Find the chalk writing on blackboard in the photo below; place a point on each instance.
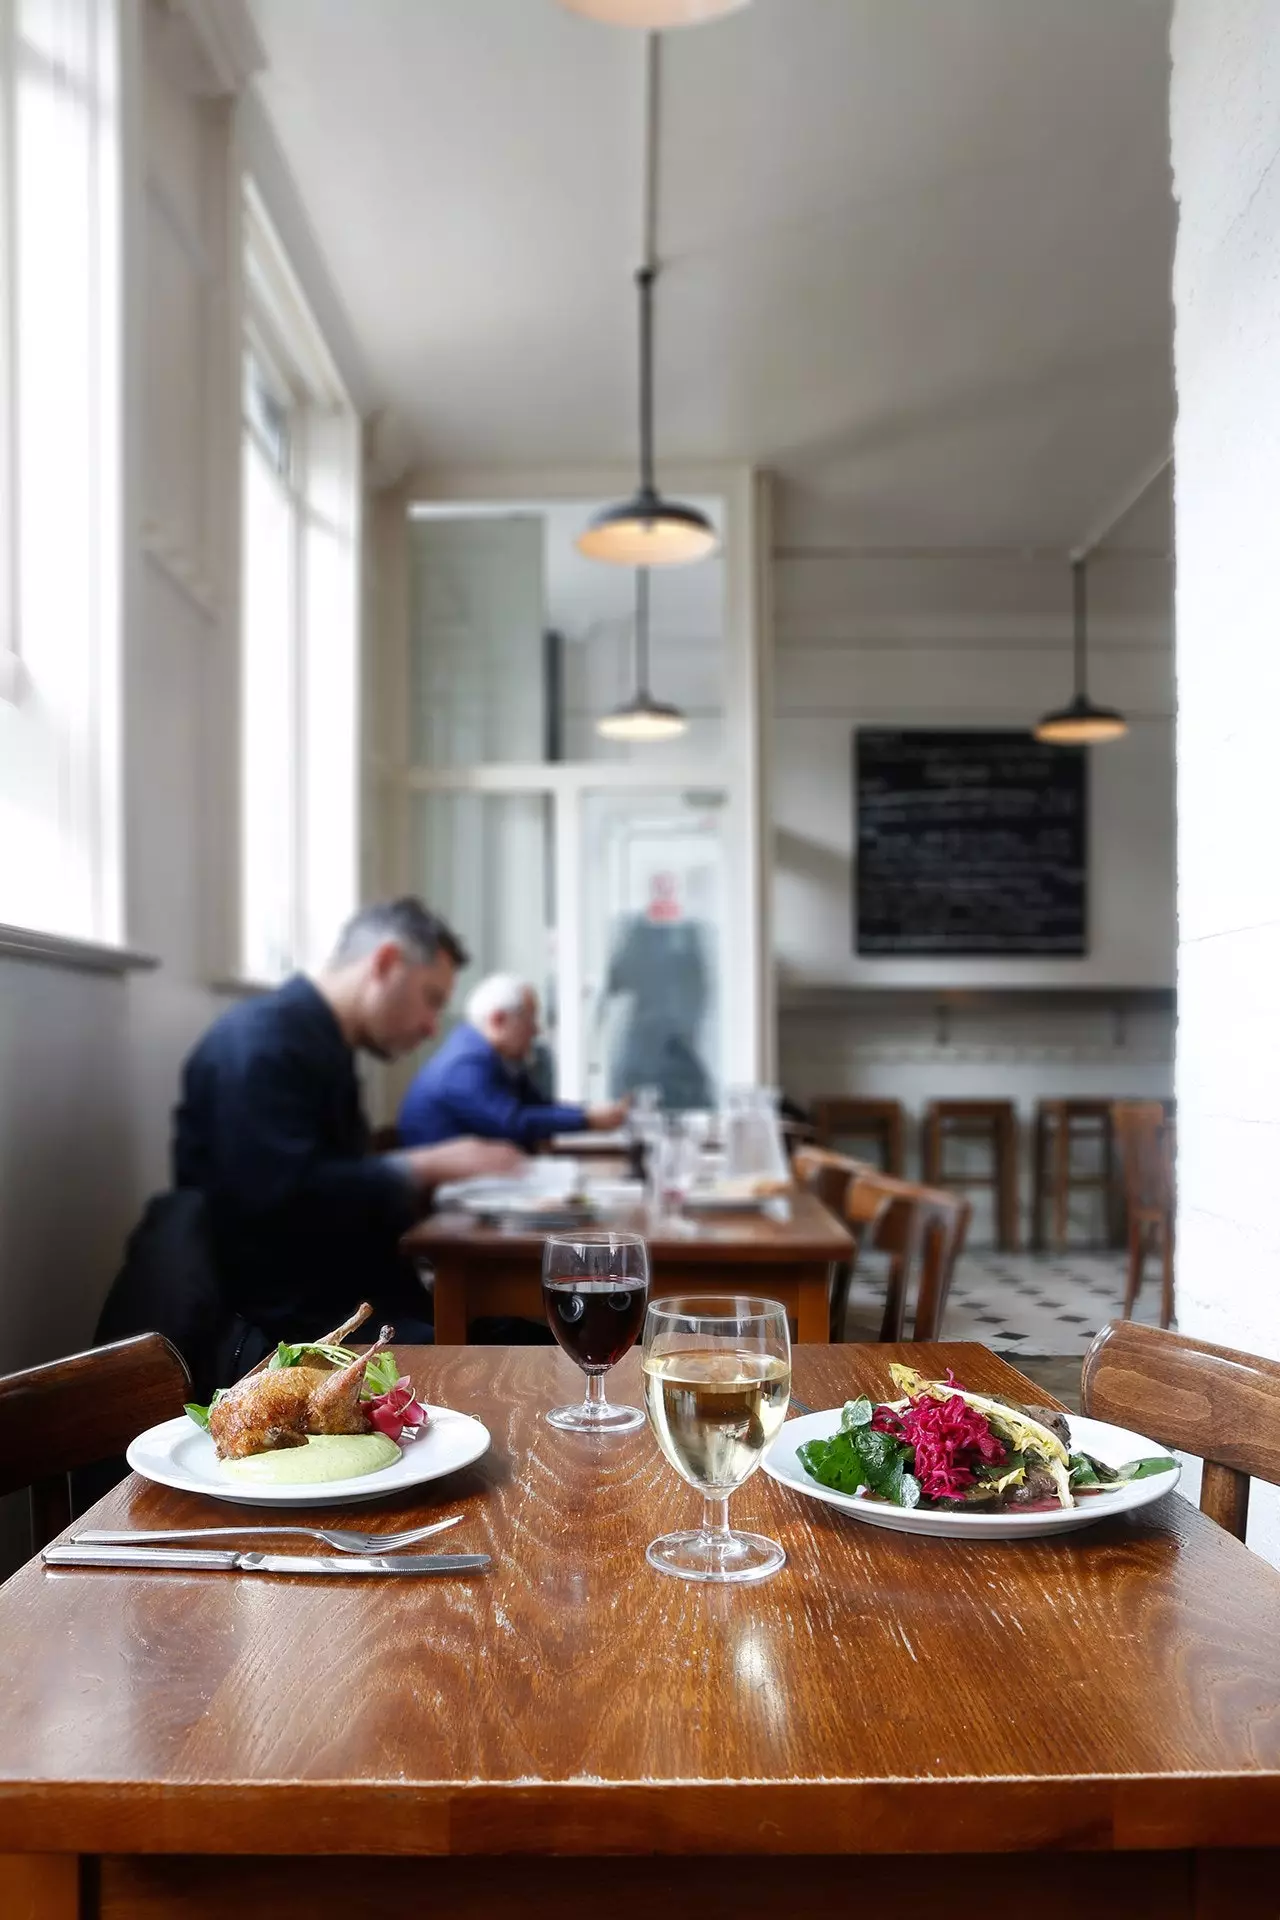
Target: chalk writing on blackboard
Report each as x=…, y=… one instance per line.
x=969, y=843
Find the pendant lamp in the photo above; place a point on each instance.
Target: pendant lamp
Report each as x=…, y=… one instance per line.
x=647, y=530
x=642, y=718
x=1082, y=723
x=653, y=15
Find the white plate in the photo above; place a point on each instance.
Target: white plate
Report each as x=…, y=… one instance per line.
x=717, y=1200
x=178, y=1454
x=1114, y=1446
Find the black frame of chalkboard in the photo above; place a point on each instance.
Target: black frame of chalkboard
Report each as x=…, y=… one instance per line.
x=1077, y=757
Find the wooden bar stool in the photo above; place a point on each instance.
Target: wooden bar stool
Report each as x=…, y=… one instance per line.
x=1062, y=1126
x=879, y=1123
x=993, y=1122
x=1145, y=1130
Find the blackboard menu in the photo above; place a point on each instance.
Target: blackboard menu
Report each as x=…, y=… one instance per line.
x=969, y=843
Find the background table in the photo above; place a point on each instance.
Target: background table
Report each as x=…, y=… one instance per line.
x=1090, y=1724
x=496, y=1270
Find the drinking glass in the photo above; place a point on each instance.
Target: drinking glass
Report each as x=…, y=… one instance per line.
x=717, y=1379
x=594, y=1288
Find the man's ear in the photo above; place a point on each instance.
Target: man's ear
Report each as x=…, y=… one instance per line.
x=385, y=959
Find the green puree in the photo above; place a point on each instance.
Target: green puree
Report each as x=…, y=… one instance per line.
x=326, y=1456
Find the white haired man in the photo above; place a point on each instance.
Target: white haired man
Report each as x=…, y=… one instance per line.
x=478, y=1084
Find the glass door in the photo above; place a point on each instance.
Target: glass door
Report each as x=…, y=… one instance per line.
x=652, y=941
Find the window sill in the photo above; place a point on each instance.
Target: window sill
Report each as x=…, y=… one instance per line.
x=84, y=956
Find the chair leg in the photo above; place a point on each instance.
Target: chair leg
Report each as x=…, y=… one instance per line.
x=1166, y=1273
x=1137, y=1259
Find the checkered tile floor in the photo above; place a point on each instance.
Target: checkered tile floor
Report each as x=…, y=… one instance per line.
x=1051, y=1303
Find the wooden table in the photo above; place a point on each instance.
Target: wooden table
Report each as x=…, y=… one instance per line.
x=1091, y=1724
x=496, y=1270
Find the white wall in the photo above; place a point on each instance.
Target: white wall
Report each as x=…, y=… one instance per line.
x=1226, y=141
x=966, y=641
x=969, y=640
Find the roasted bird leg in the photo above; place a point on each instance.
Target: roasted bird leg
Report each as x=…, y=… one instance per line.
x=334, y=1402
x=334, y=1339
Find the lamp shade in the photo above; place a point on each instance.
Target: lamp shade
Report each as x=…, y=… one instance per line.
x=1082, y=724
x=648, y=531
x=653, y=15
x=643, y=719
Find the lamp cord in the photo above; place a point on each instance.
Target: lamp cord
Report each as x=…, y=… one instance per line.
x=647, y=272
x=1079, y=599
x=641, y=648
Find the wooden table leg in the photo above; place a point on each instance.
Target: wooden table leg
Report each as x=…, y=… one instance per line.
x=451, y=1300
x=1039, y=1169
x=813, y=1311
x=40, y=1886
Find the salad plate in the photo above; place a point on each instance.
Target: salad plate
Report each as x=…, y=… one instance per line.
x=178, y=1454
x=1116, y=1447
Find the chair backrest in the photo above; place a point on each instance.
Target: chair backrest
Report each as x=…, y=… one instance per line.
x=75, y=1412
x=1213, y=1401
x=827, y=1175
x=1145, y=1133
x=923, y=1230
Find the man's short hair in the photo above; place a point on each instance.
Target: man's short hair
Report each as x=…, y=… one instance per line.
x=420, y=934
x=497, y=993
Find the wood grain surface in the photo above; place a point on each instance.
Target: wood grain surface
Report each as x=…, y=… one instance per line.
x=498, y=1270
x=1113, y=1688
x=1217, y=1402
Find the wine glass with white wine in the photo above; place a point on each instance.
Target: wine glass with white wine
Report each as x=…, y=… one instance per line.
x=717, y=1379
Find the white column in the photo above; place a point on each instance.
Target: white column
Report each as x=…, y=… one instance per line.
x=1226, y=143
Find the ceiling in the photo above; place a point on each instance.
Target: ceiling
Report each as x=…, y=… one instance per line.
x=916, y=253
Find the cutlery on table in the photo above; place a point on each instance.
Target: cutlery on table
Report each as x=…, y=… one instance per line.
x=340, y=1537
x=215, y=1561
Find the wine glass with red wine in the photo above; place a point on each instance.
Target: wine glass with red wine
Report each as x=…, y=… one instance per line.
x=594, y=1288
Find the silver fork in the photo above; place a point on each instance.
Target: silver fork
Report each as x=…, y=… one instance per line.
x=339, y=1537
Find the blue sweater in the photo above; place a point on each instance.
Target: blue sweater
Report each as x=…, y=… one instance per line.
x=467, y=1088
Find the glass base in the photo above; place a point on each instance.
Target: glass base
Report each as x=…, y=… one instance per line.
x=586, y=1417
x=701, y=1555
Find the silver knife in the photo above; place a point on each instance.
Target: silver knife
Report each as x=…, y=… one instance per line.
x=211, y=1560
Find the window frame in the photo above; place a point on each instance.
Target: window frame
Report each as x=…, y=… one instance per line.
x=81, y=735
x=280, y=338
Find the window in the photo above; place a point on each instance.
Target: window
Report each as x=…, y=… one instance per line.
x=60, y=519
x=299, y=547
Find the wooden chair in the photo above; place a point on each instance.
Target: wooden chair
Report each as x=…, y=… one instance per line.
x=922, y=1229
x=879, y=1122
x=1213, y=1401
x=77, y=1412
x=828, y=1176
x=995, y=1124
x=1145, y=1131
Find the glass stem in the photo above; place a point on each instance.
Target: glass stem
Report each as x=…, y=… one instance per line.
x=595, y=1392
x=715, y=1514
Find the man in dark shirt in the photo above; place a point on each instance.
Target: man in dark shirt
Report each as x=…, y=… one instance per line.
x=305, y=1222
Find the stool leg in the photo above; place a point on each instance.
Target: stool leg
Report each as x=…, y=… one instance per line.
x=1166, y=1271
x=1007, y=1188
x=1061, y=1182
x=932, y=1151
x=1038, y=1171
x=1137, y=1259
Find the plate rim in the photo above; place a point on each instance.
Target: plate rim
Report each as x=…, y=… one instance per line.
x=977, y=1525
x=368, y=1486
